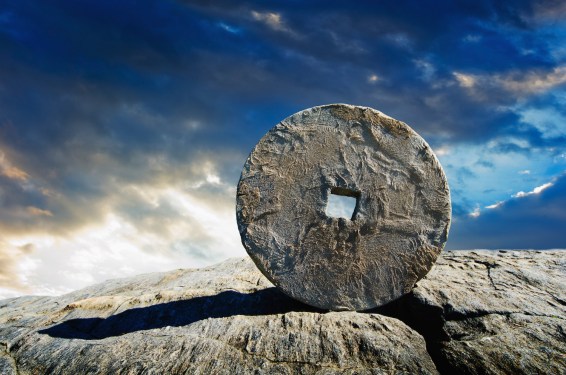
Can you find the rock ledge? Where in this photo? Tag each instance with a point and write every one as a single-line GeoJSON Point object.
{"type": "Point", "coordinates": [476, 312]}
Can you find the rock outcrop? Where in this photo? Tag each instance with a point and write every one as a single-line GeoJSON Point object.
{"type": "Point", "coordinates": [481, 312]}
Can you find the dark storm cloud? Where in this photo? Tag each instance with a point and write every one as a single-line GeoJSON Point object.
{"type": "Point", "coordinates": [91, 96]}
{"type": "Point", "coordinates": [533, 221]}
{"type": "Point", "coordinates": [98, 95]}
{"type": "Point", "coordinates": [414, 50]}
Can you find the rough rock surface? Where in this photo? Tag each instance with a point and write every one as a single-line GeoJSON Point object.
{"type": "Point", "coordinates": [399, 225]}
{"type": "Point", "coordinates": [483, 312]}
{"type": "Point", "coordinates": [501, 312]}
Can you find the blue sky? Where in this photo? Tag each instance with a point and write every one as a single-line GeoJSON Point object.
{"type": "Point", "coordinates": [124, 125]}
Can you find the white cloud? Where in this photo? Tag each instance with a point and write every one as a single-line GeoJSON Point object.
{"type": "Point", "coordinates": [521, 194]}
{"type": "Point", "coordinates": [228, 28]}
{"type": "Point", "coordinates": [35, 211]}
{"type": "Point", "coordinates": [10, 171]}
{"type": "Point", "coordinates": [525, 171]}
{"type": "Point", "coordinates": [21, 177]}
{"type": "Point", "coordinates": [205, 233]}
{"type": "Point", "coordinates": [273, 20]}
{"type": "Point", "coordinates": [475, 213]}
{"type": "Point", "coordinates": [485, 174]}
{"type": "Point", "coordinates": [426, 68]}
{"type": "Point", "coordinates": [495, 205]}
{"type": "Point", "coordinates": [206, 169]}
{"type": "Point", "coordinates": [536, 190]}
{"type": "Point", "coordinates": [517, 83]}
{"type": "Point", "coordinates": [213, 179]}
{"type": "Point", "coordinates": [442, 150]}
{"type": "Point", "coordinates": [465, 80]}
{"type": "Point", "coordinates": [373, 78]}
{"type": "Point", "coordinates": [340, 206]}
{"type": "Point", "coordinates": [532, 82]}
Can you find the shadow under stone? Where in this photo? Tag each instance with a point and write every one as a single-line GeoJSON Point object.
{"type": "Point", "coordinates": [179, 313]}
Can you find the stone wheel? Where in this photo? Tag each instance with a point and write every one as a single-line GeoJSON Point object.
{"type": "Point", "coordinates": [398, 228]}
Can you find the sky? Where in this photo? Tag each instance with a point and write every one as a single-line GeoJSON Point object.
{"type": "Point", "coordinates": [124, 125]}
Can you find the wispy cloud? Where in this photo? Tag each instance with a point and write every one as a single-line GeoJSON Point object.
{"type": "Point", "coordinates": [536, 190]}
{"type": "Point", "coordinates": [38, 211]}
{"type": "Point", "coordinates": [273, 20]}
{"type": "Point", "coordinates": [373, 78]}
{"type": "Point", "coordinates": [11, 171]}
{"type": "Point", "coordinates": [532, 220]}
{"type": "Point", "coordinates": [151, 229]}
{"type": "Point", "coordinates": [123, 130]}
{"type": "Point", "coordinates": [465, 80]}
{"type": "Point", "coordinates": [495, 205]}
{"type": "Point", "coordinates": [12, 263]}
{"type": "Point", "coordinates": [475, 213]}
{"type": "Point", "coordinates": [517, 83]}
{"type": "Point", "coordinates": [533, 81]}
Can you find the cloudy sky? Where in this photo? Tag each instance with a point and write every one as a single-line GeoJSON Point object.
{"type": "Point", "coordinates": [124, 125]}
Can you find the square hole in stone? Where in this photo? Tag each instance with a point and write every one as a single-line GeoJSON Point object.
{"type": "Point", "coordinates": [342, 203]}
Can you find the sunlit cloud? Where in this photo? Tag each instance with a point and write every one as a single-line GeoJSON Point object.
{"type": "Point", "coordinates": [495, 205]}
{"type": "Point", "coordinates": [442, 151]}
{"type": "Point", "coordinates": [12, 259]}
{"type": "Point", "coordinates": [522, 194]}
{"type": "Point", "coordinates": [533, 82]}
{"type": "Point", "coordinates": [536, 190]}
{"type": "Point", "coordinates": [11, 171]}
{"type": "Point", "coordinates": [273, 20]}
{"type": "Point", "coordinates": [534, 221]}
{"type": "Point", "coordinates": [203, 233]}
{"type": "Point", "coordinates": [518, 83]}
{"type": "Point", "coordinates": [475, 213]}
{"type": "Point", "coordinates": [373, 78]}
{"type": "Point", "coordinates": [465, 80]}
{"type": "Point", "coordinates": [490, 171]}
{"type": "Point", "coordinates": [38, 211]}
{"type": "Point", "coordinates": [122, 155]}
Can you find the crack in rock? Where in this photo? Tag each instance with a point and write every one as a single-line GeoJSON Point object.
{"type": "Point", "coordinates": [502, 333]}
{"type": "Point", "coordinates": [8, 364]}
{"type": "Point", "coordinates": [468, 326]}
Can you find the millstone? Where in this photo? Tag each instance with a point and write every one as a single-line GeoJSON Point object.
{"type": "Point", "coordinates": [397, 230]}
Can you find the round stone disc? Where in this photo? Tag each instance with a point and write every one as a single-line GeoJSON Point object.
{"type": "Point", "coordinates": [397, 230]}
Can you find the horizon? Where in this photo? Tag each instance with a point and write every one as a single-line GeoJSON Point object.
{"type": "Point", "coordinates": [124, 129]}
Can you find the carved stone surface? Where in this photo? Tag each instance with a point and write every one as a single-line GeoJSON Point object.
{"type": "Point", "coordinates": [398, 228]}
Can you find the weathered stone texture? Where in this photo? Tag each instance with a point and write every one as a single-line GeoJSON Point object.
{"type": "Point", "coordinates": [399, 226]}
{"type": "Point", "coordinates": [479, 312]}
{"type": "Point", "coordinates": [226, 319]}
{"type": "Point", "coordinates": [492, 312]}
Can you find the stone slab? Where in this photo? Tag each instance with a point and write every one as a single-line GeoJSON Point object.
{"type": "Point", "coordinates": [399, 225]}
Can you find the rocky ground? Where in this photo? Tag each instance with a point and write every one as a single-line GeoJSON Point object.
{"type": "Point", "coordinates": [476, 312]}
